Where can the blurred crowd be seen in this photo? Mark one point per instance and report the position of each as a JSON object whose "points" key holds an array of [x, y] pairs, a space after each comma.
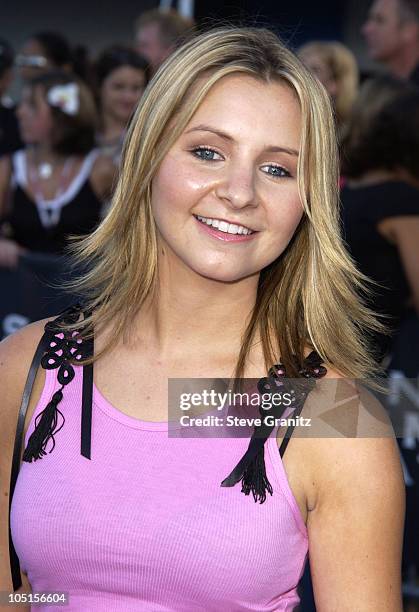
{"points": [[61, 144]]}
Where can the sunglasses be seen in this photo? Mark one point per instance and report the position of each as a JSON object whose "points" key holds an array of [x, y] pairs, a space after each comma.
{"points": [[31, 61]]}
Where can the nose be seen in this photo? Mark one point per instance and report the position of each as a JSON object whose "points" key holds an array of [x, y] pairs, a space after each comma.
{"points": [[238, 187]]}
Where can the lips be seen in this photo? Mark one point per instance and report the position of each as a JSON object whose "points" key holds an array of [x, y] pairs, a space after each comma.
{"points": [[224, 226], [228, 233]]}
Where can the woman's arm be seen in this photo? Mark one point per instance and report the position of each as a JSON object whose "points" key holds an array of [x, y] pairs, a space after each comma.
{"points": [[404, 233], [9, 253], [356, 526]]}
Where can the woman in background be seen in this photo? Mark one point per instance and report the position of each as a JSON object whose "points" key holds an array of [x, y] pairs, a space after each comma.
{"points": [[121, 76], [336, 68], [381, 197], [55, 186], [47, 51], [381, 225]]}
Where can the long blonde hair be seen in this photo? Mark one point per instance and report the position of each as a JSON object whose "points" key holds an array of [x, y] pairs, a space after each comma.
{"points": [[308, 296]]}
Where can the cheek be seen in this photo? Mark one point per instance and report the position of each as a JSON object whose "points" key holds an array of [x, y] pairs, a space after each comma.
{"points": [[284, 218], [113, 96], [133, 95], [177, 185], [167, 193], [110, 96], [46, 123]]}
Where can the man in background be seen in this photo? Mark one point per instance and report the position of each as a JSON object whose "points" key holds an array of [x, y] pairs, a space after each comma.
{"points": [[157, 34], [391, 32]]}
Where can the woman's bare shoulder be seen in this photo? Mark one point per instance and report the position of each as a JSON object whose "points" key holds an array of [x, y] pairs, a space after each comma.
{"points": [[352, 435]]}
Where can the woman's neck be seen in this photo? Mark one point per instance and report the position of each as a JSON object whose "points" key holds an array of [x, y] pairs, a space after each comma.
{"points": [[45, 153], [112, 128], [190, 314]]}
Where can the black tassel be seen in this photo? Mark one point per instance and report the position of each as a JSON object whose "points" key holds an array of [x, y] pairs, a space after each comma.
{"points": [[251, 467], [252, 473], [255, 480], [45, 428]]}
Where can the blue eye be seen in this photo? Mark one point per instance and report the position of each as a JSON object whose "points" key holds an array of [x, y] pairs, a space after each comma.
{"points": [[280, 172], [205, 153]]}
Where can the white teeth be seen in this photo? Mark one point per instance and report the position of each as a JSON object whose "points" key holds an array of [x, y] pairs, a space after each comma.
{"points": [[223, 226]]}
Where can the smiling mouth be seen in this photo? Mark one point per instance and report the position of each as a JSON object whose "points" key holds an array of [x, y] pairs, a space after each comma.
{"points": [[224, 226]]}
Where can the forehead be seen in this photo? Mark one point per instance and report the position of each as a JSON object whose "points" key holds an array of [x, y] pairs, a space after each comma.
{"points": [[33, 47], [387, 8], [248, 107], [125, 73], [315, 59], [149, 31]]}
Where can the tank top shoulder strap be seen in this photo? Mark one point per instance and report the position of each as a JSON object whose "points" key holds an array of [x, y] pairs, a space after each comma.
{"points": [[18, 160], [312, 368]]}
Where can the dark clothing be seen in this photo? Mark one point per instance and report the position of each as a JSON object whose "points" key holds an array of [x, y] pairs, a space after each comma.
{"points": [[45, 227], [9, 131], [80, 216], [414, 76], [363, 208]]}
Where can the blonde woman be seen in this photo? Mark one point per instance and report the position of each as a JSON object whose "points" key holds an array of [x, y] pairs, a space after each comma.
{"points": [[220, 255], [336, 68]]}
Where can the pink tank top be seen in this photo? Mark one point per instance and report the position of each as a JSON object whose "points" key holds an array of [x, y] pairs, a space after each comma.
{"points": [[144, 525]]}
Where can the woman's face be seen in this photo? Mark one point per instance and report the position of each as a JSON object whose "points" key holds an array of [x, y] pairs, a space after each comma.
{"points": [[320, 68], [225, 198], [121, 91], [34, 115]]}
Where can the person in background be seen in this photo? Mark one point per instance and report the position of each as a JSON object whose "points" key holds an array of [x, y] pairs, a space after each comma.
{"points": [[157, 34], [121, 76], [391, 32], [54, 186], [336, 68], [9, 132], [46, 51], [380, 199], [381, 222]]}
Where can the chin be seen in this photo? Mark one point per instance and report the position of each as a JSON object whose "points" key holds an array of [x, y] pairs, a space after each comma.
{"points": [[222, 273]]}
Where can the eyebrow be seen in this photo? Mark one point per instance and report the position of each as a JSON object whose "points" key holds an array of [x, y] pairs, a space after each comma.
{"points": [[225, 136]]}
